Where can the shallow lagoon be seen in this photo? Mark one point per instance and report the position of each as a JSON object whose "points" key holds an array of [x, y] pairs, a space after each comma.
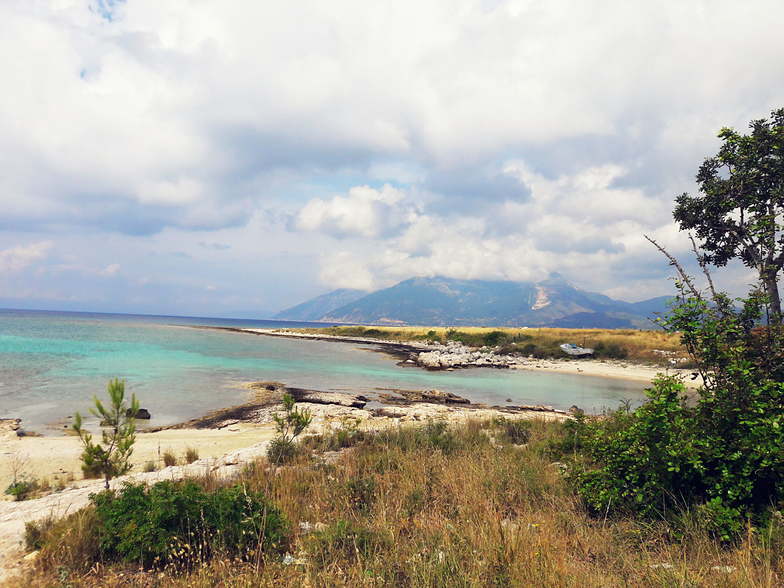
{"points": [[52, 364]]}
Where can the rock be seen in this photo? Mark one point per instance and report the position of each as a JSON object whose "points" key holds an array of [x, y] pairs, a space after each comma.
{"points": [[574, 409], [339, 398], [142, 413], [9, 425], [32, 556]]}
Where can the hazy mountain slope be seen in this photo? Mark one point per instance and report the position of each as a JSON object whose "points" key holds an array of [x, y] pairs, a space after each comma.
{"points": [[444, 301], [315, 308]]}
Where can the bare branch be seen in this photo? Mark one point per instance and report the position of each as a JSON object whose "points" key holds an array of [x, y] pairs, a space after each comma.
{"points": [[703, 265], [674, 262]]}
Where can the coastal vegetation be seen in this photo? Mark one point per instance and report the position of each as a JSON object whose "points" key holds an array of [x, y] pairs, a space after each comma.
{"points": [[112, 458], [645, 346], [289, 426], [483, 503]]}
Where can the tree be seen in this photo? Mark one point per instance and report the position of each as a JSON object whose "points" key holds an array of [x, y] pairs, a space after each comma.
{"points": [[111, 458], [740, 213]]}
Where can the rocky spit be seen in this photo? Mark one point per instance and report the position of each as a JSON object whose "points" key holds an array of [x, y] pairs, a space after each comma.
{"points": [[456, 355], [430, 356]]}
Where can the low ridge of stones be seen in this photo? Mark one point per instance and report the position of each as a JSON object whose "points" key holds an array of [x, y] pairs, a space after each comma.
{"points": [[456, 355]]}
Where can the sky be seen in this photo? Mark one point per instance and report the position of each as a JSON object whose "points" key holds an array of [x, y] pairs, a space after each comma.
{"points": [[204, 157]]}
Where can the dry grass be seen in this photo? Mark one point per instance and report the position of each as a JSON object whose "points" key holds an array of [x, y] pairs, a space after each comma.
{"points": [[439, 507], [638, 345]]}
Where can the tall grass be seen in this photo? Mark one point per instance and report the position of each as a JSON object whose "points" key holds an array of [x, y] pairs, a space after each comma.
{"points": [[437, 506]]}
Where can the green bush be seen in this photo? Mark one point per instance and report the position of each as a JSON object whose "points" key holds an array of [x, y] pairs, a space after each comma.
{"points": [[179, 523], [22, 489], [721, 456]]}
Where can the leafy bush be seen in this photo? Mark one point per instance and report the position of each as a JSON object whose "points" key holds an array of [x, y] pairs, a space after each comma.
{"points": [[179, 523], [723, 455], [22, 489]]}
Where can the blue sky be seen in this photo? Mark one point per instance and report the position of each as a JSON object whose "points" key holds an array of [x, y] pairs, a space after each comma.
{"points": [[203, 157]]}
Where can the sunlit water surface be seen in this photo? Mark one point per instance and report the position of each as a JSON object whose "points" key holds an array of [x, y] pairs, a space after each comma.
{"points": [[52, 363]]}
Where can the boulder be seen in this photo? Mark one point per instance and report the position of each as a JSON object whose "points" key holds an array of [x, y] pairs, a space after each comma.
{"points": [[142, 413]]}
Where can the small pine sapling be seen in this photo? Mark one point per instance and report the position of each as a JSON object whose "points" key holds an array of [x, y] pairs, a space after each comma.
{"points": [[289, 427], [110, 458]]}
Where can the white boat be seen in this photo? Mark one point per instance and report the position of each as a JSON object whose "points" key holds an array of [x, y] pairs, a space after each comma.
{"points": [[572, 349]]}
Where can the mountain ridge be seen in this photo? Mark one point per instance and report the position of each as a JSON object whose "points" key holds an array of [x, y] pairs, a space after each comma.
{"points": [[438, 301]]}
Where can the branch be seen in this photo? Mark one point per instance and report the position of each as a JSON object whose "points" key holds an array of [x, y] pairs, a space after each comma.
{"points": [[703, 265], [674, 262]]}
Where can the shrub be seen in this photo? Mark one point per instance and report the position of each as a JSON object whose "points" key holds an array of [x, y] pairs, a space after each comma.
{"points": [[172, 522], [149, 467], [722, 456], [22, 489]]}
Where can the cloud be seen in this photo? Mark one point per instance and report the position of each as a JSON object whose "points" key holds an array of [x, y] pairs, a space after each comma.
{"points": [[476, 138], [365, 212], [215, 246], [18, 258], [346, 270], [110, 270]]}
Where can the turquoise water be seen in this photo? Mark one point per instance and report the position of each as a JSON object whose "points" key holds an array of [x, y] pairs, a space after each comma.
{"points": [[51, 364]]}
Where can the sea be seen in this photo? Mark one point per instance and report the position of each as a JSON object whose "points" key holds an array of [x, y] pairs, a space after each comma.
{"points": [[54, 363]]}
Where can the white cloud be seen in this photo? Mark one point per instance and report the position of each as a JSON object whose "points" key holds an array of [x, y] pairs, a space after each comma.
{"points": [[18, 258], [110, 270], [365, 212], [346, 270]]}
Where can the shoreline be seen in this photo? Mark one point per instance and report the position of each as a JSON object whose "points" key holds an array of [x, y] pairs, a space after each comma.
{"points": [[615, 369]]}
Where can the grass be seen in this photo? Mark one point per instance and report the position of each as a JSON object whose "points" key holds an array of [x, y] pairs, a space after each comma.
{"points": [[438, 506], [169, 458], [630, 344]]}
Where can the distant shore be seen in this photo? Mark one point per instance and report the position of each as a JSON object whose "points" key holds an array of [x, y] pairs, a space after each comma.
{"points": [[616, 369]]}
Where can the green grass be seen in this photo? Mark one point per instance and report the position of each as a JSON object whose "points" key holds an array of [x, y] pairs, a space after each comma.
{"points": [[434, 506]]}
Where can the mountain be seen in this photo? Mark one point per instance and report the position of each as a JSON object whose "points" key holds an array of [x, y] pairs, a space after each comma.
{"points": [[316, 308], [444, 301]]}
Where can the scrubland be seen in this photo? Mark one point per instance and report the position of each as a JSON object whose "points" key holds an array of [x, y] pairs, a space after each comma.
{"points": [[634, 345], [484, 503]]}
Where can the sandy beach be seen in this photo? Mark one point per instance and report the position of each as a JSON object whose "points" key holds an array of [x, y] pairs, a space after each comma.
{"points": [[610, 369]]}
